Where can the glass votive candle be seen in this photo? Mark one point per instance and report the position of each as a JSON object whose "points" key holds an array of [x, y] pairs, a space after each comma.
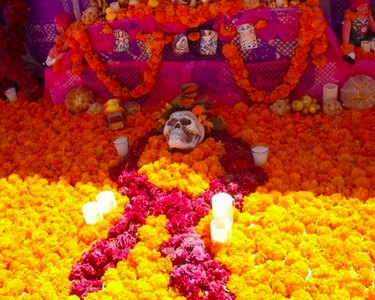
{"points": [[122, 146], [91, 213], [366, 46], [330, 91], [11, 94], [260, 154], [106, 201]]}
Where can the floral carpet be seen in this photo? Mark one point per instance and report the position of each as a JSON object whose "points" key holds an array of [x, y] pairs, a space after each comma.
{"points": [[308, 232]]}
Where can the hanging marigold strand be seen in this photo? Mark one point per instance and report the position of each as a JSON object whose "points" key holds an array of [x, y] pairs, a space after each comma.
{"points": [[310, 36], [79, 34]]}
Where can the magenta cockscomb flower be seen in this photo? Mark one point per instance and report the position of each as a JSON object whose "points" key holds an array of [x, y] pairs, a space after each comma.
{"points": [[195, 274]]}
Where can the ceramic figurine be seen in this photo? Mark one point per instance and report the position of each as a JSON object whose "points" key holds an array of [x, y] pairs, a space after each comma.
{"points": [[355, 28]]}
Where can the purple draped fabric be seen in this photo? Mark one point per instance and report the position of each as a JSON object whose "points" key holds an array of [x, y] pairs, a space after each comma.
{"points": [[266, 64]]}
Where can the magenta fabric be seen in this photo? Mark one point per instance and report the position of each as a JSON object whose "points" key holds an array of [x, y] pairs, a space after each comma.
{"points": [[266, 64]]}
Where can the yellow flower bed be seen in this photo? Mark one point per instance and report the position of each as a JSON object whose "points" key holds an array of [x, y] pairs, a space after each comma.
{"points": [[307, 234], [44, 234], [299, 246]]}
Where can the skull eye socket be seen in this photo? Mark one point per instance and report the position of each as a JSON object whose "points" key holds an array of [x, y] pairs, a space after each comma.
{"points": [[185, 121], [171, 122]]}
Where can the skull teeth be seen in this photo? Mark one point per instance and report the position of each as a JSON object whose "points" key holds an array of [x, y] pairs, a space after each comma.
{"points": [[177, 134]]}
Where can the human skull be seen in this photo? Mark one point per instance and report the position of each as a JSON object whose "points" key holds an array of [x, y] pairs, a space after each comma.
{"points": [[183, 130]]}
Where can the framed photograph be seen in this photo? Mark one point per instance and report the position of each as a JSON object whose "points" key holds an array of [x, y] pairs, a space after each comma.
{"points": [[180, 44], [208, 43], [121, 41], [247, 37]]}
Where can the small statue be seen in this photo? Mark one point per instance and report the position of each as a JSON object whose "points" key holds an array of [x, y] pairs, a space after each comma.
{"points": [[62, 22], [91, 13], [280, 107], [355, 27], [183, 130], [102, 4]]}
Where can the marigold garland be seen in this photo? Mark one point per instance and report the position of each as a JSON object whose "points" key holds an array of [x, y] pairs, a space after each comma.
{"points": [[311, 37], [189, 172], [351, 15], [77, 38]]}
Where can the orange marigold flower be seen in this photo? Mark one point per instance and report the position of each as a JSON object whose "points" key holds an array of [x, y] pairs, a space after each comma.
{"points": [[194, 36], [261, 24]]}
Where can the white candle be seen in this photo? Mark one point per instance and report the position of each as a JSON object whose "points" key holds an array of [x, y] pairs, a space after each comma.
{"points": [[92, 213], [106, 201], [279, 3], [115, 6], [11, 94], [260, 154], [76, 9], [330, 91], [122, 146], [221, 229], [366, 46], [222, 206]]}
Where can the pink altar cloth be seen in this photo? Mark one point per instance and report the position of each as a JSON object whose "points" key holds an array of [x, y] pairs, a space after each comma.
{"points": [[267, 64]]}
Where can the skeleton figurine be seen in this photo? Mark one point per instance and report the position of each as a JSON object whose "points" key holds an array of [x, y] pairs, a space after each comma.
{"points": [[183, 130]]}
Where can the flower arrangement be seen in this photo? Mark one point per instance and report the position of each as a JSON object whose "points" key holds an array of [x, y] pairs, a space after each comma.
{"points": [[289, 239], [76, 37], [311, 38], [185, 249]]}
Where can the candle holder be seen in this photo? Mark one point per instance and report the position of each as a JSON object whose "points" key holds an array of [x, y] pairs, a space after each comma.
{"points": [[106, 201], [330, 91], [260, 153], [366, 46], [122, 146], [372, 42], [91, 213], [11, 94]]}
